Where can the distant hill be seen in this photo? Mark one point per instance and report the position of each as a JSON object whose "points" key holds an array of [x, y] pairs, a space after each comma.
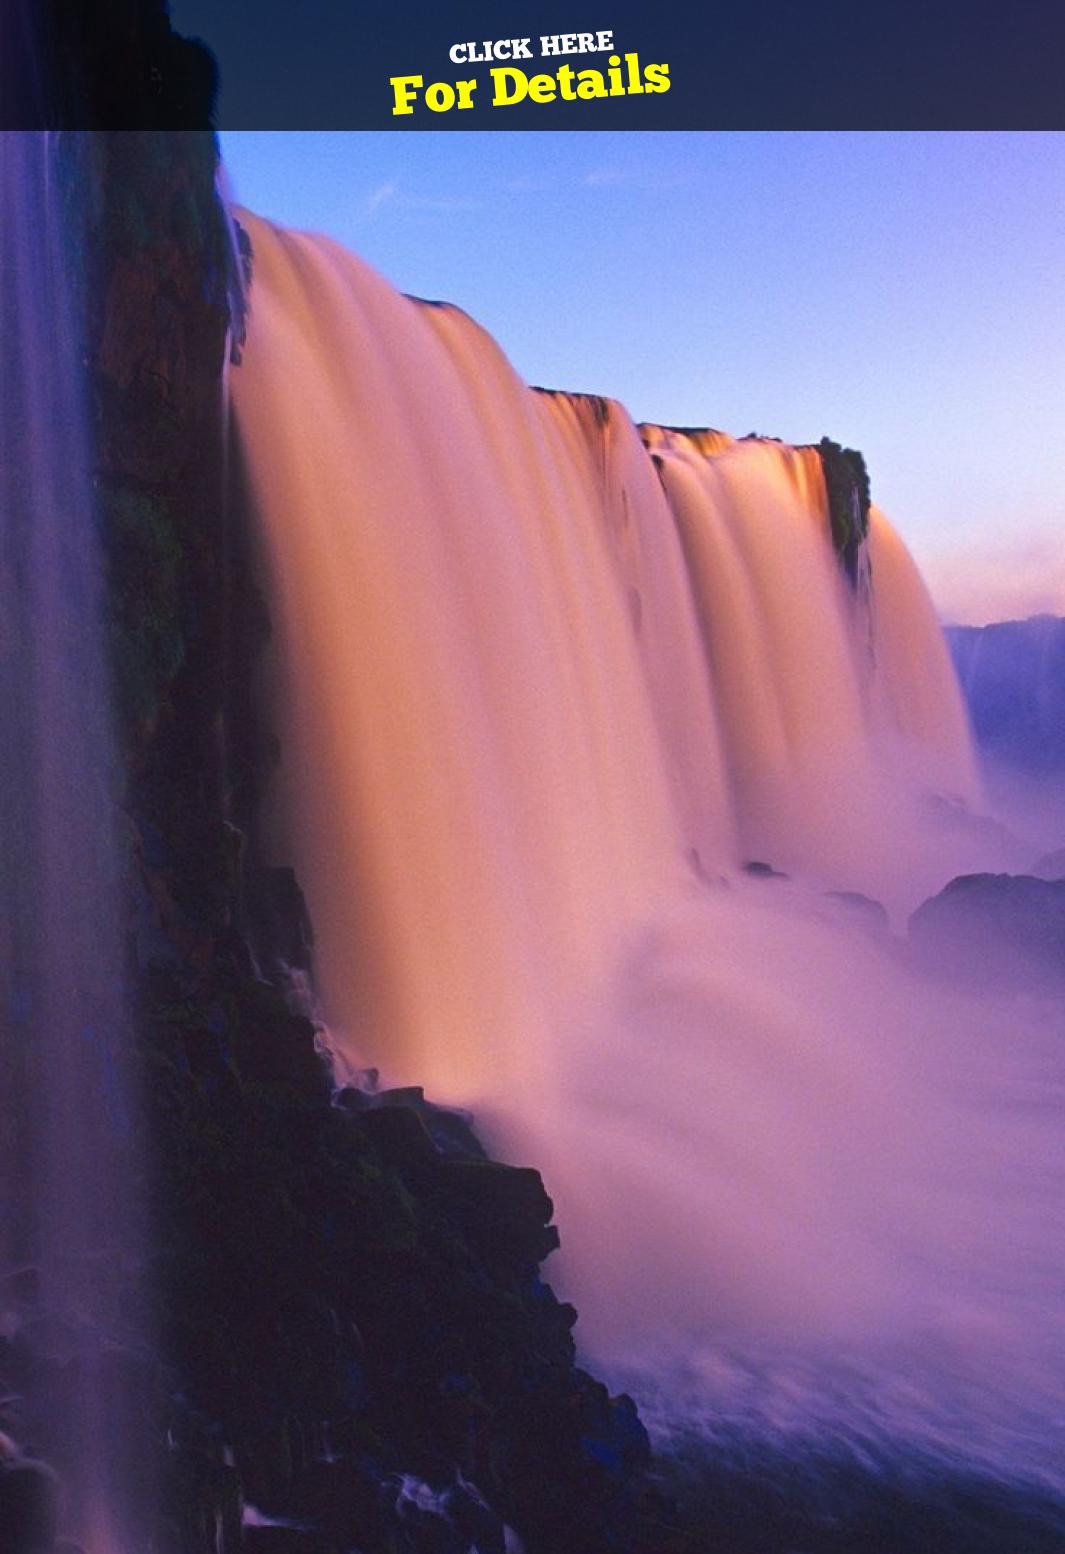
{"points": [[1013, 677]]}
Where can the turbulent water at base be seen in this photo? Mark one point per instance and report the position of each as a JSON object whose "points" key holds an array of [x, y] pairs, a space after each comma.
{"points": [[546, 681], [70, 1223]]}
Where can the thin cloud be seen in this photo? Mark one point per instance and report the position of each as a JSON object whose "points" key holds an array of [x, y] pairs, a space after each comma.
{"points": [[380, 196], [393, 196], [650, 180]]}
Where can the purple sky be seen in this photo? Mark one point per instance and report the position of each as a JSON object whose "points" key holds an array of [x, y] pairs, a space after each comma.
{"points": [[902, 293]]}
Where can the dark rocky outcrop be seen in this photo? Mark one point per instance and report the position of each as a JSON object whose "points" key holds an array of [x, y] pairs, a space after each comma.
{"points": [[355, 1346], [848, 492], [762, 871], [351, 1305], [1000, 930]]}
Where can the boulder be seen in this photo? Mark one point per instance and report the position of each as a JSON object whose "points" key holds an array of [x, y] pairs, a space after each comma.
{"points": [[998, 930], [762, 871]]}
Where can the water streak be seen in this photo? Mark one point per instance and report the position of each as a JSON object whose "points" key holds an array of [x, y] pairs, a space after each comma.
{"points": [[546, 682], [71, 1220]]}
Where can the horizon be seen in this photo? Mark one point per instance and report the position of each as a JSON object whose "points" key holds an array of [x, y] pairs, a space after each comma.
{"points": [[895, 292]]}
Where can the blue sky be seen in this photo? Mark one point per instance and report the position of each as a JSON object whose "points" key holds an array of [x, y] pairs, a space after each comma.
{"points": [[903, 293]]}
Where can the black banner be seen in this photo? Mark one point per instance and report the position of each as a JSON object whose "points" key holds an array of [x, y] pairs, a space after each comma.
{"points": [[568, 64]]}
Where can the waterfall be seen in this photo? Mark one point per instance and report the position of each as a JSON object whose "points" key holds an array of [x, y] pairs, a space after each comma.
{"points": [[538, 680], [71, 1218], [545, 682]]}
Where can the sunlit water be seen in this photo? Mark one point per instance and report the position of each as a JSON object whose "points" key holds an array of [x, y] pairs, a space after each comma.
{"points": [[545, 683]]}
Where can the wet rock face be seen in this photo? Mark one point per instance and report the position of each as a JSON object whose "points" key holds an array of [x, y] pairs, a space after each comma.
{"points": [[998, 930], [349, 1304], [356, 1345], [762, 871], [847, 488]]}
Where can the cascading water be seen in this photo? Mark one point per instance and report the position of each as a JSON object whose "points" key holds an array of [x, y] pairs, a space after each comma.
{"points": [[545, 684], [71, 1222]]}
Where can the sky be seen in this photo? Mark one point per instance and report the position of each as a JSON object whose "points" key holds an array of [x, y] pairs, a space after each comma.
{"points": [[903, 293]]}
